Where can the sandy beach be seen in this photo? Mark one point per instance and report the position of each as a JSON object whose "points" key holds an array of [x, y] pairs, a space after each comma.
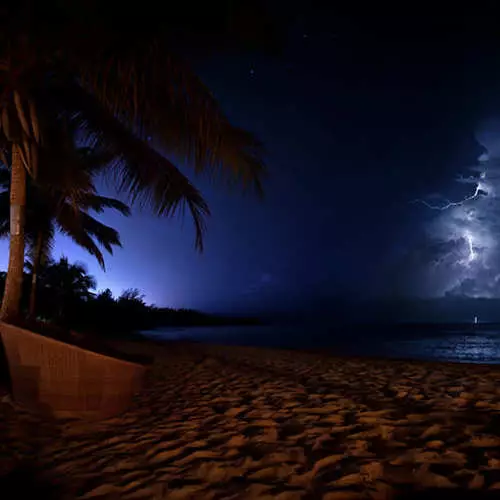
{"points": [[218, 422]]}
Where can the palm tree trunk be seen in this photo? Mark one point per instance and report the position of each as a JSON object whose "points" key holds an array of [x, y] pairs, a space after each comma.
{"points": [[34, 274], [11, 302]]}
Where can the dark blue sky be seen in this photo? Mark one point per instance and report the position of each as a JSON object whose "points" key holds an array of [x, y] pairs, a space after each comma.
{"points": [[356, 125]]}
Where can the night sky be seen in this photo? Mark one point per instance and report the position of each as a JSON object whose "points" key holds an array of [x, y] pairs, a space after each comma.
{"points": [[361, 115]]}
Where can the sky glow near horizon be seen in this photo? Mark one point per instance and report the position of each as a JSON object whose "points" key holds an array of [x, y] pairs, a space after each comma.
{"points": [[115, 277]]}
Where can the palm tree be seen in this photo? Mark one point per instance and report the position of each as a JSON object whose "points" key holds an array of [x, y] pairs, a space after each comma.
{"points": [[67, 284], [138, 100], [104, 297], [54, 204], [132, 296]]}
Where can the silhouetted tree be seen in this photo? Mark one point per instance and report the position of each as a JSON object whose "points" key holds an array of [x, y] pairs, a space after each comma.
{"points": [[133, 98], [66, 285], [58, 204], [105, 297], [67, 301]]}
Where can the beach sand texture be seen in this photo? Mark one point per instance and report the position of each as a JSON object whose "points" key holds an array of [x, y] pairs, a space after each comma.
{"points": [[235, 422]]}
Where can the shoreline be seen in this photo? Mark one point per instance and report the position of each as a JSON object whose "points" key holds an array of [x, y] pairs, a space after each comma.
{"points": [[246, 422], [324, 353], [400, 342]]}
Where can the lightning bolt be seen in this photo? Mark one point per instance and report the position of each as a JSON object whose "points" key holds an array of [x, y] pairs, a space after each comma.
{"points": [[449, 204], [472, 253], [479, 190]]}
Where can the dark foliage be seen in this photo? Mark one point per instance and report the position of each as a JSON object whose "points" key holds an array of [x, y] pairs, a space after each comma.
{"points": [[66, 302], [129, 312]]}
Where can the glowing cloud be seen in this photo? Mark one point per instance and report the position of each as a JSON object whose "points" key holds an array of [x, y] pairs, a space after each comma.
{"points": [[469, 228]]}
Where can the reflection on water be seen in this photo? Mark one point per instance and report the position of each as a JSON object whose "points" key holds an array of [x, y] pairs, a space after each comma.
{"points": [[464, 347], [475, 348]]}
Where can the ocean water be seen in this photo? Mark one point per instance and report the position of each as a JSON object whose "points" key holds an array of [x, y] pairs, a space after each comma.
{"points": [[463, 345]]}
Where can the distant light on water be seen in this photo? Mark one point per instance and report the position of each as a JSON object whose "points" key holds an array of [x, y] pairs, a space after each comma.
{"points": [[468, 345], [457, 346]]}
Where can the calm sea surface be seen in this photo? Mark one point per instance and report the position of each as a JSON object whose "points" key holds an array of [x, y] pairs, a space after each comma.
{"points": [[467, 345]]}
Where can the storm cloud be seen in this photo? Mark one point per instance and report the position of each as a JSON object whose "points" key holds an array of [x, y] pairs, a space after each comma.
{"points": [[459, 253]]}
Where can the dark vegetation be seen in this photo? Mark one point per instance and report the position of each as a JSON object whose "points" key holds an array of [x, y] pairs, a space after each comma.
{"points": [[66, 302]]}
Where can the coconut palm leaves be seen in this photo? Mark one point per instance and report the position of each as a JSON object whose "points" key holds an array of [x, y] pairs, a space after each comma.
{"points": [[135, 99], [51, 209], [67, 284], [63, 207]]}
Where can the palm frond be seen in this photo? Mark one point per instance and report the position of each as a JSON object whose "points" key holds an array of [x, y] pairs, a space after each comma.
{"points": [[63, 166], [86, 242], [39, 212], [68, 279], [158, 96], [106, 236], [134, 100], [83, 229], [148, 177], [48, 232], [100, 203]]}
